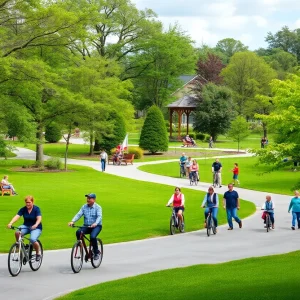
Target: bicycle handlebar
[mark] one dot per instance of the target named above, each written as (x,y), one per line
(15,227)
(75,226)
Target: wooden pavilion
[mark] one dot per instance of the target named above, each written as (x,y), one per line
(185,105)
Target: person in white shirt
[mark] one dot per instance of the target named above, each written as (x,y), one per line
(8,185)
(103,159)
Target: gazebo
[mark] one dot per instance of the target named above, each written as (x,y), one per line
(185,105)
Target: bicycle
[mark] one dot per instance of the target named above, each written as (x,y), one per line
(20,253)
(268,221)
(77,254)
(182,171)
(216,179)
(210,224)
(193,178)
(174,222)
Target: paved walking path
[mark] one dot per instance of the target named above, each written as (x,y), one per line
(132,258)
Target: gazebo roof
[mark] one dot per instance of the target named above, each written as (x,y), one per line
(187,101)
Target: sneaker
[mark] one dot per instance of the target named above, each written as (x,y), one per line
(96,256)
(230,228)
(204,224)
(240,224)
(38,257)
(273,227)
(265,226)
(293,227)
(220,186)
(298,226)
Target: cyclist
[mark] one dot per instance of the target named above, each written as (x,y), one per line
(177,199)
(32,223)
(211,202)
(194,170)
(217,168)
(188,165)
(92,213)
(268,206)
(295,207)
(182,161)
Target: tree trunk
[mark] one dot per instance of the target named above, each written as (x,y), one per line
(39,157)
(67,147)
(265,129)
(91,144)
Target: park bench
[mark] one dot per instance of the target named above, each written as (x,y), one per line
(5,190)
(127,158)
(188,144)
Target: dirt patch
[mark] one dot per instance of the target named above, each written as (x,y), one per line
(38,170)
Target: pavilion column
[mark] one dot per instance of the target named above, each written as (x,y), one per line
(179,123)
(187,122)
(171,121)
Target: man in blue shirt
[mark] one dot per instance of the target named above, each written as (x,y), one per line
(231,202)
(216,168)
(92,213)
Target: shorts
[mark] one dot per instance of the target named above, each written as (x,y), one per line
(178,208)
(34,234)
(235,176)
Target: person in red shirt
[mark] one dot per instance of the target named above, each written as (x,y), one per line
(235,171)
(177,199)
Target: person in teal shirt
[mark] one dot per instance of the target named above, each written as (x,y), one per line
(295,207)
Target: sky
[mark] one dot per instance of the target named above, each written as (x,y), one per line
(208,21)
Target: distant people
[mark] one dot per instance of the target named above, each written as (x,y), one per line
(210,142)
(266,141)
(117,156)
(295,207)
(235,172)
(194,170)
(182,161)
(231,203)
(193,142)
(188,139)
(263,142)
(7,185)
(103,159)
(217,168)
(177,200)
(268,207)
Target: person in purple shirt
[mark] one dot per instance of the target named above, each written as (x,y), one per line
(231,202)
(32,223)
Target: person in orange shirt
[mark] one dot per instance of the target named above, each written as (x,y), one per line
(235,171)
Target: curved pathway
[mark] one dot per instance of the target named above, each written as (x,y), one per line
(138,257)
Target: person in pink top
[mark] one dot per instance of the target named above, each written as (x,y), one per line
(177,200)
(194,169)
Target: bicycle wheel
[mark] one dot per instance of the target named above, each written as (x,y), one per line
(268,223)
(77,257)
(208,225)
(181,226)
(15,260)
(96,263)
(196,180)
(33,263)
(172,225)
(213,226)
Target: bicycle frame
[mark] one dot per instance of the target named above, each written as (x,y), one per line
(23,248)
(82,238)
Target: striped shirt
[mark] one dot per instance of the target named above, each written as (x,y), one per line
(92,214)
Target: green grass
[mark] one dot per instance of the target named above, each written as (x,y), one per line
(132,209)
(265,278)
(251,176)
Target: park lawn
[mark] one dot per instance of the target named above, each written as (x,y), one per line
(252,176)
(132,209)
(263,278)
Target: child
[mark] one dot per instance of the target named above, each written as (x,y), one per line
(268,206)
(235,171)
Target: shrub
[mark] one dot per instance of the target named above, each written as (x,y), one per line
(52,133)
(154,133)
(54,163)
(137,151)
(200,136)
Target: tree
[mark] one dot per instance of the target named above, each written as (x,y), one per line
(230,46)
(247,75)
(53,133)
(214,111)
(154,133)
(239,130)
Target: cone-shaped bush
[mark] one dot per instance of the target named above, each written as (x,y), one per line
(154,133)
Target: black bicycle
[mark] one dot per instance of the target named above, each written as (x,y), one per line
(80,251)
(210,224)
(182,171)
(22,252)
(193,178)
(175,223)
(268,225)
(216,179)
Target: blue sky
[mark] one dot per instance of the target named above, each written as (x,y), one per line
(208,21)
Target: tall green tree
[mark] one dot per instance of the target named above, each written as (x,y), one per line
(229,47)
(247,74)
(154,132)
(214,111)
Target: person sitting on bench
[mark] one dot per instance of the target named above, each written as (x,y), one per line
(8,185)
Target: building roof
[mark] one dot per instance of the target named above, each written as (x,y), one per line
(187,101)
(187,78)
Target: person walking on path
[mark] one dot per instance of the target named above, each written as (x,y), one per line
(103,159)
(210,142)
(235,171)
(231,202)
(295,207)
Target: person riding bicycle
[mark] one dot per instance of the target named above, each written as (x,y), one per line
(177,199)
(188,165)
(92,213)
(216,170)
(32,223)
(268,207)
(182,161)
(211,203)
(194,170)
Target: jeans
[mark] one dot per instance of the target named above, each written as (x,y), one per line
(93,235)
(219,177)
(296,216)
(103,164)
(34,233)
(232,213)
(214,212)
